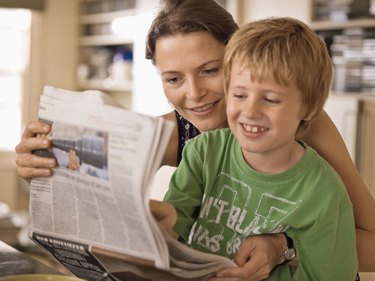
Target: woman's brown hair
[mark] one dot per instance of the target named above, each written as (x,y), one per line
(185,16)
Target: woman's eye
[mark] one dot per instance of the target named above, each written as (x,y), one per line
(172,80)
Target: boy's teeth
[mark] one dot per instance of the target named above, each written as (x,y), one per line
(254,129)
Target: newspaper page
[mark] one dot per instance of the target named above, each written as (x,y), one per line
(106,157)
(93,213)
(185,264)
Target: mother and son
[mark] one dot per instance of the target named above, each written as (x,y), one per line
(268,182)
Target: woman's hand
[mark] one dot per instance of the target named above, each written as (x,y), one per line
(28,164)
(256,258)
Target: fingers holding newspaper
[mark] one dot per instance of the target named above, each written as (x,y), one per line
(35,137)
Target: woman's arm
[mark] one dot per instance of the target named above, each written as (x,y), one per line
(324,137)
(28,164)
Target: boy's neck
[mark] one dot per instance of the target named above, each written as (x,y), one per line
(275,161)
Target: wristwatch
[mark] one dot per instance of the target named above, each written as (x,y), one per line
(290,252)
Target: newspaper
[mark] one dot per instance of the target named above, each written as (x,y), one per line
(93,213)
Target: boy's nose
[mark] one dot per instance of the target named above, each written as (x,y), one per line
(252,109)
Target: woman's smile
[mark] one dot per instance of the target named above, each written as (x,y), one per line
(204,109)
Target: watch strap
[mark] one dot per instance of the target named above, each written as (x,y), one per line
(290,252)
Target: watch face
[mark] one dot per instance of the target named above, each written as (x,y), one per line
(289,254)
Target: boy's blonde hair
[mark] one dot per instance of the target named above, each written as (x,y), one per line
(287,51)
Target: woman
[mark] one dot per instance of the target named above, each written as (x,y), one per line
(186,43)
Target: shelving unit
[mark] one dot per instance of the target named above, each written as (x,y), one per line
(106,46)
(351,104)
(348,28)
(353,23)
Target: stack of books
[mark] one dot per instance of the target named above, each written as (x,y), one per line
(341,10)
(353,55)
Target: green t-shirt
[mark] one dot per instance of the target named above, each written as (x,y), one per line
(215,190)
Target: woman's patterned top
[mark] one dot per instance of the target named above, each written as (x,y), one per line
(186,131)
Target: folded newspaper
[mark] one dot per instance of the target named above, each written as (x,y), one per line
(93,213)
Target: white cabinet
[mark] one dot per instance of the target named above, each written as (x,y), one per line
(354,117)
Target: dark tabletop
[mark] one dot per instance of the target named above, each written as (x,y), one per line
(14,262)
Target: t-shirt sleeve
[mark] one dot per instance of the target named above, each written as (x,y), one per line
(185,190)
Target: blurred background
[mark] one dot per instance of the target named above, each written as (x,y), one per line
(100,44)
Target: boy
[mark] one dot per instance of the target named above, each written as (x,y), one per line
(257,177)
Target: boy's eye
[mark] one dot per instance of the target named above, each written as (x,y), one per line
(211,70)
(238,95)
(271,100)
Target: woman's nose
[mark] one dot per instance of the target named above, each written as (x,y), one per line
(194,91)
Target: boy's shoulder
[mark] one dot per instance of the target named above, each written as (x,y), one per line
(324,172)
(216,134)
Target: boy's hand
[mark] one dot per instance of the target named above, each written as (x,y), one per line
(164,213)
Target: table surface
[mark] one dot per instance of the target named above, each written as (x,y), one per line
(14,262)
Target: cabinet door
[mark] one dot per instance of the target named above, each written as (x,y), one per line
(367,148)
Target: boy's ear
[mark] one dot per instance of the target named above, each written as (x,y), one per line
(309,116)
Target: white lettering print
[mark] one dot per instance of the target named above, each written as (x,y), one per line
(210,203)
(273,210)
(235,219)
(233,245)
(202,238)
(234,211)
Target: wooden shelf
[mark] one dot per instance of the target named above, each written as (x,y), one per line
(359,95)
(105,40)
(106,85)
(331,25)
(106,17)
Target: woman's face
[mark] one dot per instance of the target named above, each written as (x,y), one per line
(190,66)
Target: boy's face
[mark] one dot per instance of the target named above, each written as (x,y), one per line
(263,116)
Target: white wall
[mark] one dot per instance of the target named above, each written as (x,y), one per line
(148,96)
(258,9)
